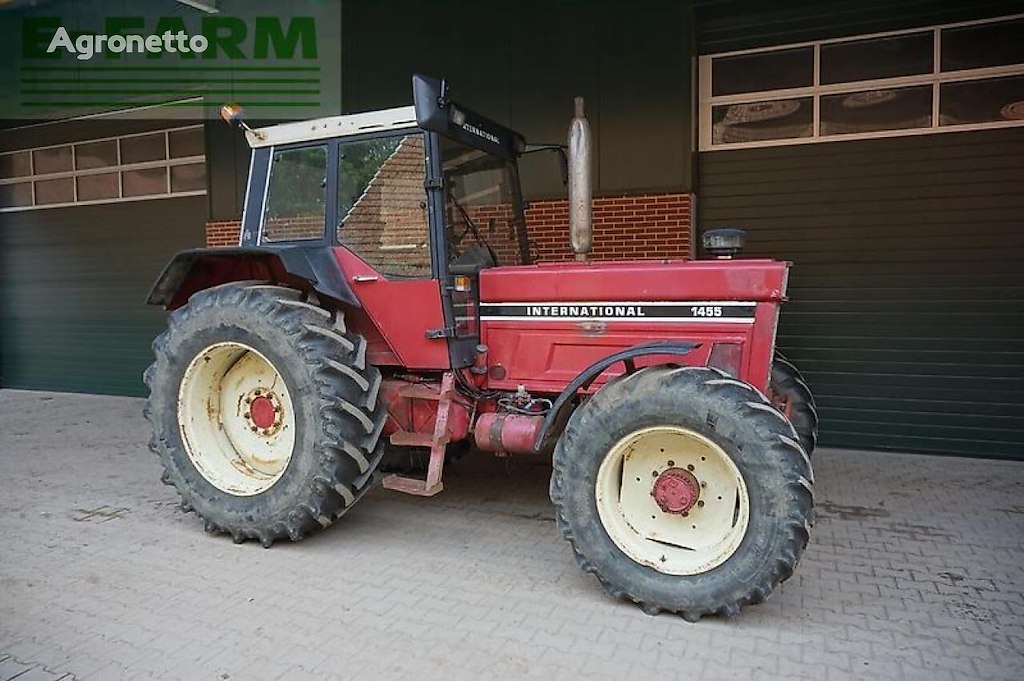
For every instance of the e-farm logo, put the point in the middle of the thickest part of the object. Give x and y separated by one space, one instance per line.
131 61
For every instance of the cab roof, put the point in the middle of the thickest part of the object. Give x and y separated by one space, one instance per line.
333 126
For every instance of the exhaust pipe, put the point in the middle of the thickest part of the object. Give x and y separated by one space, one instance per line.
581 230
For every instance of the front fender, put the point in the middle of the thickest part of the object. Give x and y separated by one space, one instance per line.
560 408
313 267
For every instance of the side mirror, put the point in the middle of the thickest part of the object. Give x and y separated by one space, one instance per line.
563 158
563 165
430 97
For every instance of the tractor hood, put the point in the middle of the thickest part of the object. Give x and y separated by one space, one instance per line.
544 324
632 281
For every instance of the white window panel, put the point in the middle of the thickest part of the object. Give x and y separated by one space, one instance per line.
96 155
966 76
17 164
148 165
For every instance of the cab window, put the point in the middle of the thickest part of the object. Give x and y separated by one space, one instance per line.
382 204
296 195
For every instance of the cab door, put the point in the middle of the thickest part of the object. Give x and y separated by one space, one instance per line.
459 285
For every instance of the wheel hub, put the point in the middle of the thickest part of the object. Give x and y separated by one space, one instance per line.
676 490
265 411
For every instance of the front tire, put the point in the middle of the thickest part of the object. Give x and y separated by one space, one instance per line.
264 411
683 490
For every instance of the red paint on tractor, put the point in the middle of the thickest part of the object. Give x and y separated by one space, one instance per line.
401 310
756 280
261 411
507 433
413 408
758 355
676 490
437 441
545 354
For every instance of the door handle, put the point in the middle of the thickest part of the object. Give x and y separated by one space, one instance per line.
365 277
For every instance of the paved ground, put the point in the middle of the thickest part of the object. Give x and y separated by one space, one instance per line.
915 570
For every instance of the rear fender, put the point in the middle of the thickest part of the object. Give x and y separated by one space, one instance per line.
306 267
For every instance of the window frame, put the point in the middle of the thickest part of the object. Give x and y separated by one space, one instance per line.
335 224
261 163
166 164
816 90
330 205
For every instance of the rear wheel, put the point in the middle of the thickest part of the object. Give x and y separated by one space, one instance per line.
264 411
789 392
683 490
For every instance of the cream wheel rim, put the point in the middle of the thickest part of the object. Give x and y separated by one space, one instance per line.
673 500
236 419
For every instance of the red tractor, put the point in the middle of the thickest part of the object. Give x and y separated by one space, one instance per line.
383 297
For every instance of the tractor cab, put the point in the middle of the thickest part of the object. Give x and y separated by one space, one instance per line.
423 192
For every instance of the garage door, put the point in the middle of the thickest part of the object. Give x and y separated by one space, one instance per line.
907 290
86 227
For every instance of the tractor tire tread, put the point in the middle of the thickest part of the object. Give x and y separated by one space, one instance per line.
785 448
787 380
344 402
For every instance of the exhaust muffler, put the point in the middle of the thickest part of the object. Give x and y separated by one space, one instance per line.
581 228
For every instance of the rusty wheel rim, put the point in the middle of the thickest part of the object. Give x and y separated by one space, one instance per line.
673 500
236 419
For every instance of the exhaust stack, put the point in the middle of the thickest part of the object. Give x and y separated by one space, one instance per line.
581 230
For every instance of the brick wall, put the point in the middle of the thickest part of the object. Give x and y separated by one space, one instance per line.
223 233
649 226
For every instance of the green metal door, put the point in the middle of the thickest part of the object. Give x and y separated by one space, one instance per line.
72 285
907 289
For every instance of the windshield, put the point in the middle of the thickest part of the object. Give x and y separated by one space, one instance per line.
483 206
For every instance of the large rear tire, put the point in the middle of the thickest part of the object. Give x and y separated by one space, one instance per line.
683 490
264 411
788 390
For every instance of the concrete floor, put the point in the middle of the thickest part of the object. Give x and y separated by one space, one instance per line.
915 571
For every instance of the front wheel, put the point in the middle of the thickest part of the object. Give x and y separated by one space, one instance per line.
682 489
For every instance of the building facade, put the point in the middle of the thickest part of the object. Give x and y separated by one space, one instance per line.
876 145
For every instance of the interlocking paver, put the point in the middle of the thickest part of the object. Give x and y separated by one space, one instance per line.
101 577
